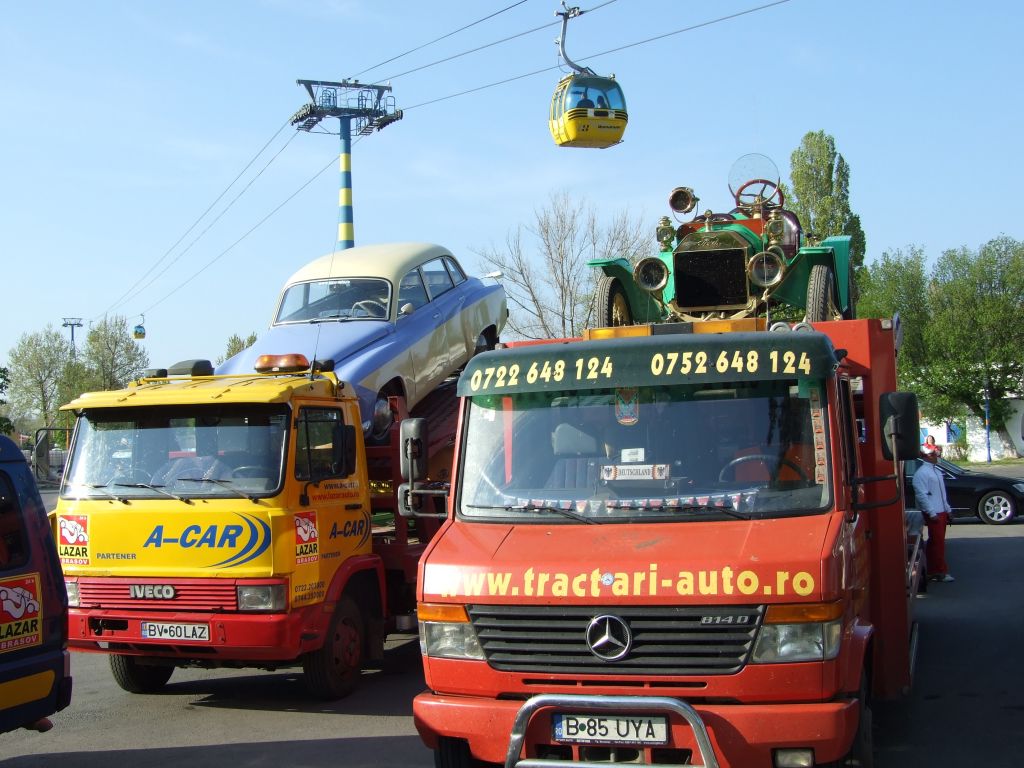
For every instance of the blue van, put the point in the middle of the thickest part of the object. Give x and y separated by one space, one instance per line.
35 678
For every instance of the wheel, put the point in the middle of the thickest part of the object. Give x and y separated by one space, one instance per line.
136 677
862 751
452 753
332 671
611 304
996 508
821 301
370 308
486 341
766 459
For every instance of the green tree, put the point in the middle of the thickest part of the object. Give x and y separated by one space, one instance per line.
111 355
235 345
549 286
820 194
961 324
6 425
36 362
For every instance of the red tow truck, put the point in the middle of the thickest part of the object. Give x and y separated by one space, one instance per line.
679 544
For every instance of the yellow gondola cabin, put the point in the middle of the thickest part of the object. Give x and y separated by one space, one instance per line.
588 111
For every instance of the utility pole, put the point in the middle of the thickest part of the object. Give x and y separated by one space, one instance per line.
366 106
72 323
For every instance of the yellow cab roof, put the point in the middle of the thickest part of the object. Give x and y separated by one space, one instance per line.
173 390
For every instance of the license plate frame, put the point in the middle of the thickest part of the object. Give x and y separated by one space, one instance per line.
594 728
185 632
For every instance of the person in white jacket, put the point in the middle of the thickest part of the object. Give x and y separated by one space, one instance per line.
930 492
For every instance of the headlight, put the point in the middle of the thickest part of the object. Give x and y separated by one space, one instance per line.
651 274
261 597
812 641
74 601
765 269
445 632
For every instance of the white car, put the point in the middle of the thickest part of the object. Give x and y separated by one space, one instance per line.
396 319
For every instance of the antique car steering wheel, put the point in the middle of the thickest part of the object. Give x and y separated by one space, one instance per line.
766 459
371 308
766 186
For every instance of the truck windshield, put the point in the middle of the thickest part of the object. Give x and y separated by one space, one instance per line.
748 450
234 451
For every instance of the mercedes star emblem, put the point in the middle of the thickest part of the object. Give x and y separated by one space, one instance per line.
609 637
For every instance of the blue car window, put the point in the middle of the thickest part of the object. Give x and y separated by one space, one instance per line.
13 546
437 277
455 270
411 291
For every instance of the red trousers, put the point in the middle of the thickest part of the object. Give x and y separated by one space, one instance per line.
936 547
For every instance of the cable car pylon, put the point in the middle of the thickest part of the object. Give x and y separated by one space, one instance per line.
350 101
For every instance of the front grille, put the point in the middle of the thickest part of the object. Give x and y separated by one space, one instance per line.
193 595
667 640
715 278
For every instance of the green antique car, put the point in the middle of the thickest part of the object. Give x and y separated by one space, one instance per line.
740 264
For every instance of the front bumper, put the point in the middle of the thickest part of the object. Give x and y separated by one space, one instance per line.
232 636
738 734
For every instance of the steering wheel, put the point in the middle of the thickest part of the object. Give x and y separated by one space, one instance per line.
767 459
131 476
766 189
252 470
371 308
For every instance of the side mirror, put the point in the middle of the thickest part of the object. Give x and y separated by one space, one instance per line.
343 449
409 503
414 449
898 425
407 309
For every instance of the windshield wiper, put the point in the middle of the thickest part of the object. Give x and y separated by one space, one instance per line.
703 508
537 508
222 483
334 319
103 487
157 488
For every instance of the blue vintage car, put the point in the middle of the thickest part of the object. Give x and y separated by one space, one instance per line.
396 319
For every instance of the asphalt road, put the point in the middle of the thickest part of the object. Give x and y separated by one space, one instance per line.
965 708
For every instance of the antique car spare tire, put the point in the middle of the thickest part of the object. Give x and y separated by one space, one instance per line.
821 299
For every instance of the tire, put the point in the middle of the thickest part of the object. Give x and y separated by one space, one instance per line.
862 751
486 341
333 670
135 677
996 508
452 753
611 304
821 302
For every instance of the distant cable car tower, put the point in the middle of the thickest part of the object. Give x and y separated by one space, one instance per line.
368 107
587 110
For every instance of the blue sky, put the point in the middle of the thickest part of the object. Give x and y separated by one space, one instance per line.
124 121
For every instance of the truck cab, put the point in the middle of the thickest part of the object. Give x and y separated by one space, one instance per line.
233 521
677 544
35 677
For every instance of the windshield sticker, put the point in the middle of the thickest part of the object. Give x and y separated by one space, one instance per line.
632 455
19 612
627 406
73 539
635 471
